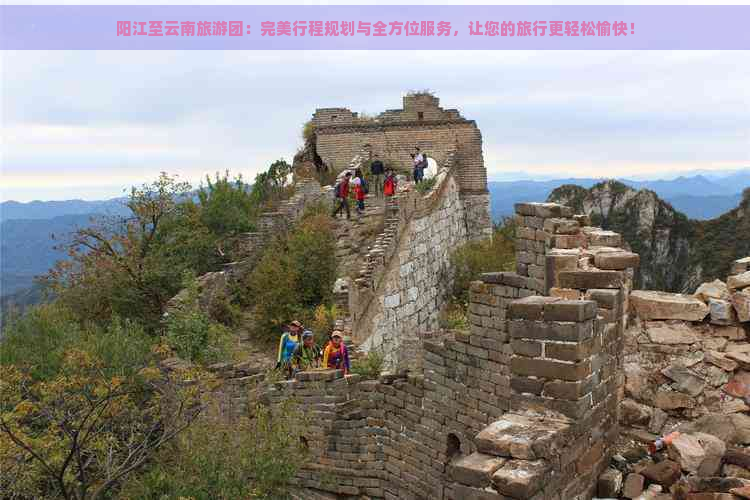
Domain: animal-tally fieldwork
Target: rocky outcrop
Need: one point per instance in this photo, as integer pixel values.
(677, 253)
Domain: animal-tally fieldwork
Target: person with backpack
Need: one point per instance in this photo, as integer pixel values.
(341, 192)
(360, 191)
(390, 184)
(377, 171)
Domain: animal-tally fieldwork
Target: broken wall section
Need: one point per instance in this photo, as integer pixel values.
(687, 361)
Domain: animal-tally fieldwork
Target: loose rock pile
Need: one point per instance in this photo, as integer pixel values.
(687, 377)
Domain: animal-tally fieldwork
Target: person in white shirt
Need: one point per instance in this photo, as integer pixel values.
(418, 165)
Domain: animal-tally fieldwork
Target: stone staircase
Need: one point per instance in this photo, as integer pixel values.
(513, 459)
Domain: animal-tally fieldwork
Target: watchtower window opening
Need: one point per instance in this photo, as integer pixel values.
(333, 118)
(420, 115)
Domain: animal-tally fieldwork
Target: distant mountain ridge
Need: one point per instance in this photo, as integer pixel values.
(10, 210)
(698, 196)
(677, 253)
(27, 247)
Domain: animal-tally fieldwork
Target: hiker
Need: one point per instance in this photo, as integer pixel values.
(335, 354)
(287, 343)
(360, 191)
(376, 171)
(341, 191)
(418, 166)
(390, 184)
(307, 355)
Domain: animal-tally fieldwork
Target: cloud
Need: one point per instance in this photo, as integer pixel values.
(84, 120)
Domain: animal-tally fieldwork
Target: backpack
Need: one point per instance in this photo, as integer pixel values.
(337, 190)
(365, 186)
(389, 186)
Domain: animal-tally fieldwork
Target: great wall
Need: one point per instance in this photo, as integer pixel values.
(565, 377)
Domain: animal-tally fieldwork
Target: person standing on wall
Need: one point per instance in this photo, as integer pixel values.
(377, 169)
(342, 196)
(389, 185)
(418, 165)
(360, 191)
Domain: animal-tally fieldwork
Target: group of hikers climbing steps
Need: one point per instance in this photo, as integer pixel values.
(354, 184)
(298, 351)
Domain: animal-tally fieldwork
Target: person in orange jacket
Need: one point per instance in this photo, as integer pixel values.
(335, 354)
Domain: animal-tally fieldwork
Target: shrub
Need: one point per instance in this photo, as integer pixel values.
(294, 276)
(37, 342)
(426, 185)
(308, 132)
(191, 334)
(370, 366)
(252, 457)
(477, 257)
(226, 206)
(454, 317)
(323, 321)
(83, 431)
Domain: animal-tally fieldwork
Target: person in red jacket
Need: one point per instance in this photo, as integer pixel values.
(342, 196)
(389, 186)
(359, 191)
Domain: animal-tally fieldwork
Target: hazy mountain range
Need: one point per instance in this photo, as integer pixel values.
(700, 196)
(26, 247)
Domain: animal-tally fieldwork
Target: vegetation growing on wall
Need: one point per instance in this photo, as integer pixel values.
(470, 261)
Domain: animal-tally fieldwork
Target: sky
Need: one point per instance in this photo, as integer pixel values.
(88, 124)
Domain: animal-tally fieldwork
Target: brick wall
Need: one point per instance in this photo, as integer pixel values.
(523, 405)
(341, 134)
(406, 294)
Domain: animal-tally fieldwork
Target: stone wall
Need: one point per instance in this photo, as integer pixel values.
(393, 135)
(408, 276)
(523, 405)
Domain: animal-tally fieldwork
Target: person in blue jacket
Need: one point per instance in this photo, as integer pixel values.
(287, 343)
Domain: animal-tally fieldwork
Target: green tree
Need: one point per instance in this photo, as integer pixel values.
(116, 266)
(227, 206)
(273, 184)
(79, 431)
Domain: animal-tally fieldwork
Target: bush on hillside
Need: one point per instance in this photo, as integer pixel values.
(192, 334)
(477, 257)
(294, 276)
(36, 343)
(83, 408)
(254, 456)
